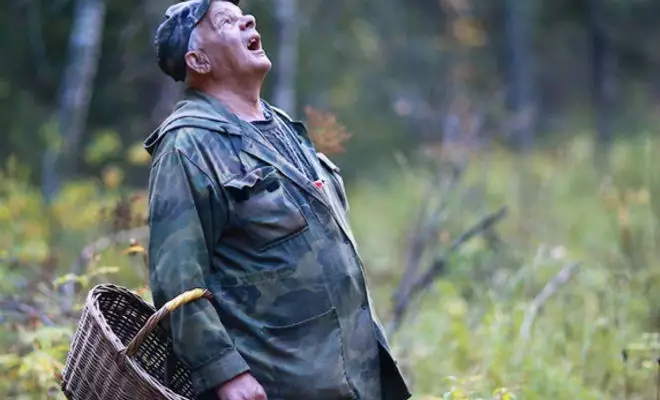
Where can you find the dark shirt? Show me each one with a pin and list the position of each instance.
(286, 142)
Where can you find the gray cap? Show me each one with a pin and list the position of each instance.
(173, 35)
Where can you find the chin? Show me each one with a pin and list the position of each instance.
(264, 64)
(257, 65)
(261, 69)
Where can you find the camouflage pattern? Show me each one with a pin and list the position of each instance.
(291, 303)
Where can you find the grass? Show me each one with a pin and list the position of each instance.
(462, 338)
(464, 334)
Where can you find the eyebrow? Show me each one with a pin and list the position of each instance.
(227, 13)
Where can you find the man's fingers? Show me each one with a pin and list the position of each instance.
(242, 387)
(260, 396)
(259, 393)
(254, 394)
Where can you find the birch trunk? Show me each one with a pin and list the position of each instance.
(75, 93)
(284, 96)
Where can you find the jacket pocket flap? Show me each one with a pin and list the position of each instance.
(325, 160)
(253, 179)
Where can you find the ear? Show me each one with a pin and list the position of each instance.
(198, 61)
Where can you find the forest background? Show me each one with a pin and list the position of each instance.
(498, 157)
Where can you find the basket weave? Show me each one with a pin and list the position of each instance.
(98, 366)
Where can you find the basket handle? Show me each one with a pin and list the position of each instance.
(164, 311)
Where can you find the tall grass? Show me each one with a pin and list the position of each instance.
(465, 333)
(462, 339)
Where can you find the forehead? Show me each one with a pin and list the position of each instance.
(224, 7)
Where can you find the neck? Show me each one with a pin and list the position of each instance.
(243, 100)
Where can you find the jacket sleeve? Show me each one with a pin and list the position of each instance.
(187, 213)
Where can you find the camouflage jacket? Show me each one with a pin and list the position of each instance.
(291, 305)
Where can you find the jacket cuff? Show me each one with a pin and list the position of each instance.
(218, 371)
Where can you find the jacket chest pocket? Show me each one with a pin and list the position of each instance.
(263, 208)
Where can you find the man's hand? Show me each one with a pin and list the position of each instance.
(242, 387)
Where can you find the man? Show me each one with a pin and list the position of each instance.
(241, 204)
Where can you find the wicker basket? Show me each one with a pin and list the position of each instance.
(119, 350)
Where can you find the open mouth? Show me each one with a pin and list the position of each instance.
(254, 44)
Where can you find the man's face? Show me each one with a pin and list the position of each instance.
(231, 42)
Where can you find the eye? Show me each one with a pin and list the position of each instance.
(230, 20)
(225, 20)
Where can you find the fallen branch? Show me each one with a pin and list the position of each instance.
(425, 231)
(89, 251)
(438, 266)
(556, 283)
(26, 309)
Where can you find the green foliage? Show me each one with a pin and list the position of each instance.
(35, 350)
(467, 328)
(383, 57)
(104, 145)
(463, 340)
(34, 371)
(389, 70)
(38, 245)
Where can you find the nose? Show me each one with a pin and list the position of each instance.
(248, 22)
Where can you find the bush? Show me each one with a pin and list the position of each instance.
(464, 338)
(465, 334)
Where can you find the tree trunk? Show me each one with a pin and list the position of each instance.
(518, 18)
(75, 93)
(603, 78)
(286, 14)
(170, 91)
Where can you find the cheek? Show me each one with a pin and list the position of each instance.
(231, 50)
(228, 52)
(222, 56)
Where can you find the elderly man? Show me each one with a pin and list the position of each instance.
(242, 204)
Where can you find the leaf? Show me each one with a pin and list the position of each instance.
(10, 361)
(106, 270)
(112, 176)
(48, 335)
(468, 32)
(103, 271)
(137, 155)
(69, 278)
(104, 145)
(327, 134)
(134, 249)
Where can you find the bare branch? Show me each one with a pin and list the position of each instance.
(88, 253)
(440, 262)
(25, 309)
(556, 283)
(426, 228)
(438, 266)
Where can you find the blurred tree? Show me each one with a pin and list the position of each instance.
(395, 73)
(518, 16)
(604, 75)
(75, 93)
(286, 60)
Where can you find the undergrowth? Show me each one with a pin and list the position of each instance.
(463, 338)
